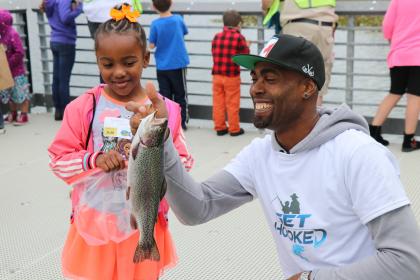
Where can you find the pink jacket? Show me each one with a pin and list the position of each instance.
(14, 48)
(401, 26)
(68, 154)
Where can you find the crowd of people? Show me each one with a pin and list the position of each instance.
(349, 216)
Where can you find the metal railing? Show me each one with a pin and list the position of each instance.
(350, 64)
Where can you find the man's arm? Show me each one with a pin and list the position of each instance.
(195, 203)
(397, 241)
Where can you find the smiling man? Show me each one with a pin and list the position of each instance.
(331, 194)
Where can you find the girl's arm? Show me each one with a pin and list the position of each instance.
(67, 15)
(389, 20)
(68, 154)
(18, 53)
(181, 145)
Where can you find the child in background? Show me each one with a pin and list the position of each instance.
(19, 95)
(226, 74)
(61, 17)
(167, 36)
(79, 146)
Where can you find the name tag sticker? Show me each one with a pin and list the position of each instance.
(117, 127)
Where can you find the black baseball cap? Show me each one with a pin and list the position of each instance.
(290, 52)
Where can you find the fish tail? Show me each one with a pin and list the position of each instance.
(146, 251)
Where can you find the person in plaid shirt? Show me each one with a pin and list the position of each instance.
(226, 74)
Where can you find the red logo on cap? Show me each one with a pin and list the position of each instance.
(267, 49)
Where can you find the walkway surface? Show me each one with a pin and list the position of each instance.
(34, 210)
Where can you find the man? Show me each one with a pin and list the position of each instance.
(331, 194)
(315, 20)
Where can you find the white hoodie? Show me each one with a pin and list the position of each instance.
(98, 10)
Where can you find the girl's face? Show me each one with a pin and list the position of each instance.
(121, 61)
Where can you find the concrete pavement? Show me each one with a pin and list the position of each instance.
(34, 210)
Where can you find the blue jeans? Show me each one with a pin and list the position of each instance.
(63, 61)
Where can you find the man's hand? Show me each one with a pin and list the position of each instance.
(141, 111)
(295, 277)
(265, 5)
(110, 161)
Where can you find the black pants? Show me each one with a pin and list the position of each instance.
(173, 85)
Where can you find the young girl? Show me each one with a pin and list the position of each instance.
(84, 142)
(19, 95)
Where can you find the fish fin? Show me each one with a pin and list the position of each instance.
(155, 256)
(163, 190)
(147, 251)
(133, 222)
(135, 150)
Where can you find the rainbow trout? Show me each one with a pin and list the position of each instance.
(147, 183)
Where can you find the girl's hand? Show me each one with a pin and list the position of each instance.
(42, 6)
(141, 111)
(110, 161)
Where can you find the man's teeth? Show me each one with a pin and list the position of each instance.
(262, 106)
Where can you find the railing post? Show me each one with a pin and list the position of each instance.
(22, 21)
(350, 61)
(260, 33)
(44, 58)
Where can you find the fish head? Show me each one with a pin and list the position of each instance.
(150, 133)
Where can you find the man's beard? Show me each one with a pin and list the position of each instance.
(261, 123)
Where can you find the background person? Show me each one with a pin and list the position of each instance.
(97, 12)
(226, 74)
(167, 36)
(401, 26)
(345, 214)
(18, 96)
(315, 21)
(61, 16)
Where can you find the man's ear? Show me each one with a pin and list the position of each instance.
(310, 88)
(146, 59)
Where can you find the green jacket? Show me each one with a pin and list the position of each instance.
(304, 4)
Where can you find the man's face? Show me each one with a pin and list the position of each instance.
(277, 96)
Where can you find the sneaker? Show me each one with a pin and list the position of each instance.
(240, 132)
(2, 131)
(11, 117)
(222, 132)
(412, 146)
(22, 119)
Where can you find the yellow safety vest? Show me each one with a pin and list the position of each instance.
(305, 4)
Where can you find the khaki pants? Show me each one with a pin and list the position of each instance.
(322, 37)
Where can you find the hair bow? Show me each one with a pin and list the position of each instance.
(125, 12)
